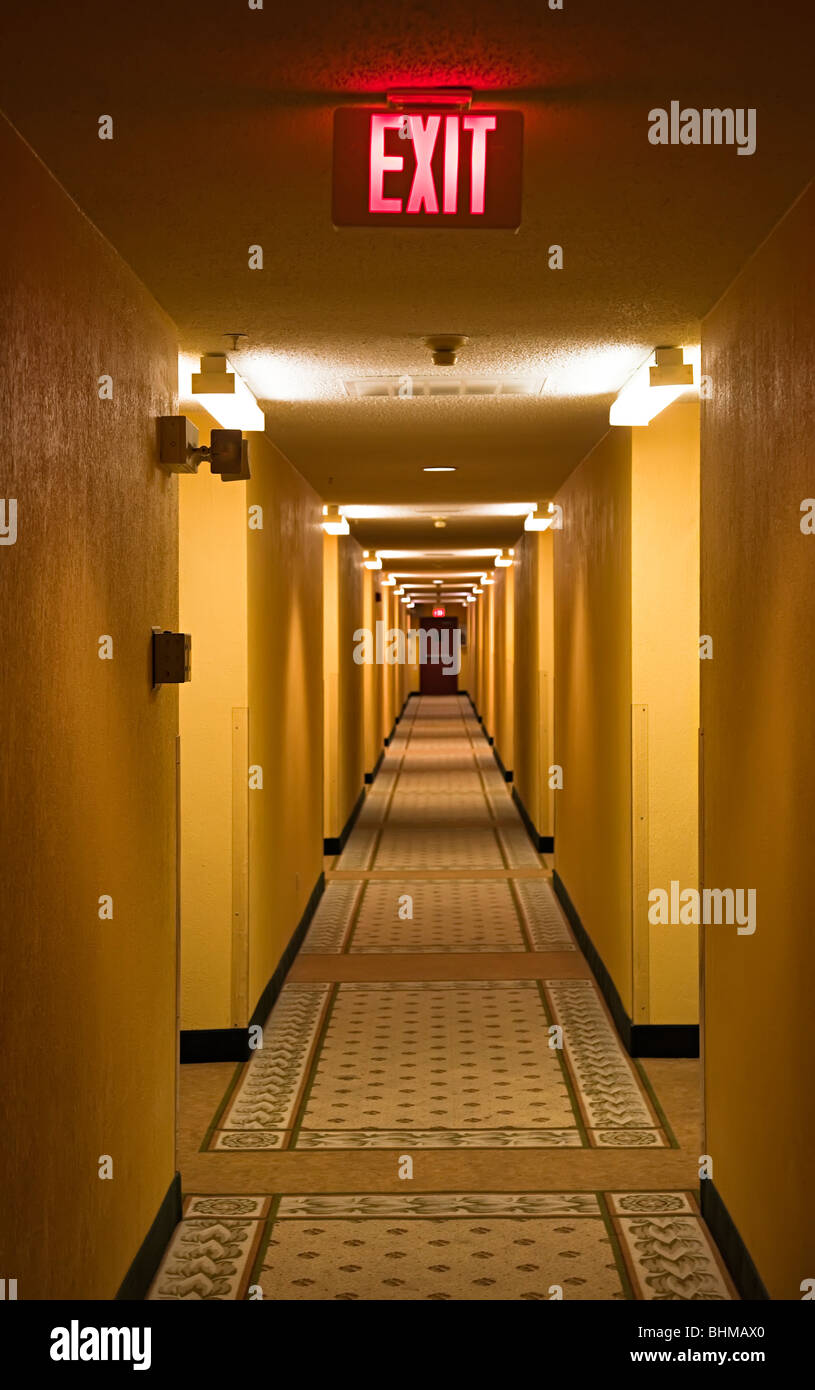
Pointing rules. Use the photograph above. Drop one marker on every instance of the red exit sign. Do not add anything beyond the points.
(427, 168)
(439, 613)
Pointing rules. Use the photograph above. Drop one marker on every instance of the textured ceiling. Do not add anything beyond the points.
(223, 140)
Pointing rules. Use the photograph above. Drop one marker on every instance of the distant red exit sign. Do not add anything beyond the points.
(439, 613)
(427, 168)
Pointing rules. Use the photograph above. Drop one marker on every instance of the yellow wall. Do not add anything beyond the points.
(343, 678)
(626, 704)
(758, 465)
(665, 695)
(87, 1006)
(504, 664)
(373, 714)
(534, 684)
(284, 605)
(213, 536)
(592, 578)
(249, 856)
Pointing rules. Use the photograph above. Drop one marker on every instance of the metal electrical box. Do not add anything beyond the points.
(171, 657)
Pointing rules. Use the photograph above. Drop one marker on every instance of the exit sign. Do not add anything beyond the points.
(439, 613)
(427, 168)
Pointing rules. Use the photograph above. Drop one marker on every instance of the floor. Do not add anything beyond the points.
(441, 1108)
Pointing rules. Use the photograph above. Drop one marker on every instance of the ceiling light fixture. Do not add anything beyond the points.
(537, 521)
(439, 523)
(488, 578)
(445, 469)
(371, 560)
(389, 581)
(668, 374)
(504, 560)
(225, 395)
(334, 523)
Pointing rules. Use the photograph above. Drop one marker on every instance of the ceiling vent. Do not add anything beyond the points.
(402, 387)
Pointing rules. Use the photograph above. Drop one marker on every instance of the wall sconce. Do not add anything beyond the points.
(334, 523)
(179, 452)
(225, 395)
(668, 374)
(537, 521)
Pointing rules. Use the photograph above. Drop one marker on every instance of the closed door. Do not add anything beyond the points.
(436, 677)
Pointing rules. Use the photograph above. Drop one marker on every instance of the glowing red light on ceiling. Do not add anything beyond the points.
(439, 613)
(427, 169)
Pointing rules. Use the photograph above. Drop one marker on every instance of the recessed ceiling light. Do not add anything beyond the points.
(439, 523)
(438, 470)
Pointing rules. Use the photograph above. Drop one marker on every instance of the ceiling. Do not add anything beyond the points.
(222, 125)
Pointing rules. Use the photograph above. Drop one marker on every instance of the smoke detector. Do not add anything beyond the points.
(445, 348)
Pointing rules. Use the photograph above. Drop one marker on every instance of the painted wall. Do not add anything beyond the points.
(592, 582)
(665, 695)
(87, 1006)
(626, 704)
(504, 664)
(534, 684)
(213, 536)
(758, 696)
(284, 607)
(343, 678)
(373, 715)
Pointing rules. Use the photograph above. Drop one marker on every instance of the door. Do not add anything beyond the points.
(435, 677)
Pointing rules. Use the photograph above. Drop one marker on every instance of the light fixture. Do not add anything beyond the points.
(371, 560)
(536, 521)
(225, 395)
(446, 469)
(423, 97)
(668, 374)
(470, 598)
(439, 523)
(397, 593)
(389, 581)
(504, 560)
(478, 591)
(488, 578)
(334, 524)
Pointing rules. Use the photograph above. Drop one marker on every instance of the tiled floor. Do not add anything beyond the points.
(441, 1019)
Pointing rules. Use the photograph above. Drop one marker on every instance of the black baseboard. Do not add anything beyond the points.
(335, 844)
(507, 776)
(734, 1252)
(371, 776)
(139, 1277)
(639, 1039)
(213, 1045)
(544, 844)
(267, 999)
(232, 1044)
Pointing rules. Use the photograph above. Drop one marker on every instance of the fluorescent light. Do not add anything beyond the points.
(371, 560)
(668, 374)
(438, 470)
(488, 578)
(388, 581)
(225, 395)
(335, 524)
(504, 560)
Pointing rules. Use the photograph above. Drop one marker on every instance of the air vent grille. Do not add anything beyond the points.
(394, 387)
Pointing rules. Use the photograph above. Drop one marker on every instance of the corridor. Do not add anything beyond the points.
(417, 1021)
(407, 619)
